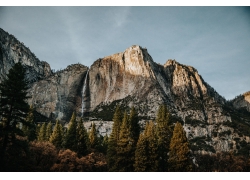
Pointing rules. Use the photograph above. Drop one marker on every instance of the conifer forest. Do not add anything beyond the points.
(160, 146)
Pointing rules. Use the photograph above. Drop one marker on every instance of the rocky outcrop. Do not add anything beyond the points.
(132, 78)
(13, 51)
(242, 101)
(60, 94)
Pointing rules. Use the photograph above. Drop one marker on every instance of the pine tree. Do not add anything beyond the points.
(13, 105)
(141, 153)
(112, 141)
(125, 154)
(70, 140)
(93, 139)
(179, 153)
(105, 144)
(42, 133)
(38, 127)
(57, 135)
(29, 128)
(134, 126)
(163, 136)
(49, 131)
(153, 158)
(83, 143)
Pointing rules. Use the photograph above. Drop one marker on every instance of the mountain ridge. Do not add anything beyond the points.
(131, 78)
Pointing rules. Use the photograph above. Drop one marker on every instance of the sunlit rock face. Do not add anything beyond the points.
(12, 51)
(130, 78)
(242, 101)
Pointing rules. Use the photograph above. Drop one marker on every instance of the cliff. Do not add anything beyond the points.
(132, 78)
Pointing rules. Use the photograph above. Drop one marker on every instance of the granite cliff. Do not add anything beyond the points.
(13, 51)
(132, 78)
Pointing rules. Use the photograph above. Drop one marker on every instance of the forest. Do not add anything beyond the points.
(161, 146)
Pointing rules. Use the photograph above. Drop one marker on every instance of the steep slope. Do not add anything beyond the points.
(242, 101)
(57, 96)
(13, 51)
(132, 78)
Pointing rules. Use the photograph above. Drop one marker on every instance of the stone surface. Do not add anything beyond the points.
(13, 51)
(130, 78)
(60, 94)
(242, 101)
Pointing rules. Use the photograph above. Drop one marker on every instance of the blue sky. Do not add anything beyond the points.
(214, 40)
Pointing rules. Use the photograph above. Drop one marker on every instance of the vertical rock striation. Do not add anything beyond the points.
(13, 51)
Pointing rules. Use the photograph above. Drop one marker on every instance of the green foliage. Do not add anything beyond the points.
(134, 126)
(163, 132)
(83, 143)
(146, 154)
(179, 151)
(125, 155)
(112, 141)
(141, 154)
(13, 105)
(93, 139)
(49, 131)
(153, 156)
(42, 133)
(57, 135)
(70, 139)
(29, 128)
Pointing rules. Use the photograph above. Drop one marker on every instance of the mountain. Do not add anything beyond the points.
(132, 78)
(13, 51)
(242, 101)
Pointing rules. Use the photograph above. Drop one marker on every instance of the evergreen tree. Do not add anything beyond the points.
(38, 127)
(105, 144)
(49, 131)
(153, 158)
(134, 126)
(163, 136)
(141, 153)
(13, 105)
(179, 153)
(112, 141)
(42, 133)
(70, 140)
(29, 128)
(83, 143)
(93, 139)
(125, 153)
(57, 135)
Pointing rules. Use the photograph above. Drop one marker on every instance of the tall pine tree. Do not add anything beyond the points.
(179, 154)
(125, 159)
(42, 133)
(141, 153)
(57, 135)
(29, 128)
(70, 140)
(153, 157)
(93, 139)
(83, 143)
(112, 141)
(134, 126)
(49, 131)
(163, 135)
(13, 105)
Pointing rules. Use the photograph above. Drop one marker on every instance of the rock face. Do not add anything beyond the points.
(132, 78)
(13, 51)
(57, 96)
(242, 101)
